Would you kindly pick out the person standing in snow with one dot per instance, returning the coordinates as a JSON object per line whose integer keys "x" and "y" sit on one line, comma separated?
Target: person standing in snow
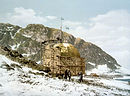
{"x": 66, "y": 74}
{"x": 69, "y": 74}
{"x": 80, "y": 77}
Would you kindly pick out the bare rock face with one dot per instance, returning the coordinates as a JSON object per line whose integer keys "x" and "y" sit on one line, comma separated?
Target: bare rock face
{"x": 27, "y": 41}
{"x": 7, "y": 32}
{"x": 94, "y": 55}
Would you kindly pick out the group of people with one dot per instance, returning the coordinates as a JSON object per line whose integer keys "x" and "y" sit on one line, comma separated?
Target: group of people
{"x": 67, "y": 74}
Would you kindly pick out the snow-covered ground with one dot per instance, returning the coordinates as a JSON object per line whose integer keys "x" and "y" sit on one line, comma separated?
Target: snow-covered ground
{"x": 21, "y": 82}
{"x": 104, "y": 70}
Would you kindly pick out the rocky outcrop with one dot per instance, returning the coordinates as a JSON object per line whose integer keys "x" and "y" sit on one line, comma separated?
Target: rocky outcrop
{"x": 27, "y": 42}
{"x": 7, "y": 33}
{"x": 94, "y": 55}
{"x": 17, "y": 57}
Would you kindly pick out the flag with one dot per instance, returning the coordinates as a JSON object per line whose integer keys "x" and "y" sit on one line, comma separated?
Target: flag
{"x": 67, "y": 28}
{"x": 62, "y": 18}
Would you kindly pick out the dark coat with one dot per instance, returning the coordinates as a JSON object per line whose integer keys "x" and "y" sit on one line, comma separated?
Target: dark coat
{"x": 80, "y": 77}
{"x": 66, "y": 74}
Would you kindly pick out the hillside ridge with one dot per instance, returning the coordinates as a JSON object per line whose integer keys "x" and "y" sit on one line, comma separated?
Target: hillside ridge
{"x": 27, "y": 42}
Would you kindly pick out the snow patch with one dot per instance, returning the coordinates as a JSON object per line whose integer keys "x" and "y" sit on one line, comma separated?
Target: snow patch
{"x": 13, "y": 47}
{"x": 101, "y": 69}
{"x": 124, "y": 70}
{"x": 5, "y": 59}
{"x": 92, "y": 63}
{"x": 116, "y": 83}
{"x": 66, "y": 44}
{"x": 27, "y": 36}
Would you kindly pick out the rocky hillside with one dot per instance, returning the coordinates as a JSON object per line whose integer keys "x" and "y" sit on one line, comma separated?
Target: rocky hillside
{"x": 27, "y": 42}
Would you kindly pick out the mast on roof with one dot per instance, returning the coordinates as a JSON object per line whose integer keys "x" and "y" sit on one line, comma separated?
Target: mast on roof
{"x": 61, "y": 30}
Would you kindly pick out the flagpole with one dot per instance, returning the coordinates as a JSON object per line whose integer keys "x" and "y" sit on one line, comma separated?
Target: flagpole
{"x": 61, "y": 24}
{"x": 61, "y": 30}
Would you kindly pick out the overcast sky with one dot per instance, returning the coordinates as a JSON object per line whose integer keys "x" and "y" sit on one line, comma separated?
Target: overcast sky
{"x": 105, "y": 23}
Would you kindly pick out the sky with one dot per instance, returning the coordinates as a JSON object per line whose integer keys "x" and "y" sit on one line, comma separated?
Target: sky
{"x": 102, "y": 22}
